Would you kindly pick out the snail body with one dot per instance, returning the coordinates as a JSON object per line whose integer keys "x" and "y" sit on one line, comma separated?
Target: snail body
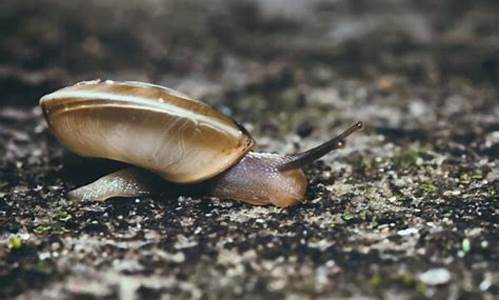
{"x": 182, "y": 140}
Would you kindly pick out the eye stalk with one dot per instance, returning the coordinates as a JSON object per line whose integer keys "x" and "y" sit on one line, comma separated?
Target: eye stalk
{"x": 301, "y": 159}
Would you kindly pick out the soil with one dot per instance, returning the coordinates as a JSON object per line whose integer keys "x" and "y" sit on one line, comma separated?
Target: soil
{"x": 407, "y": 210}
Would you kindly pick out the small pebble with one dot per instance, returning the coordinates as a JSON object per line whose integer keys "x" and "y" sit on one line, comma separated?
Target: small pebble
{"x": 408, "y": 231}
{"x": 435, "y": 276}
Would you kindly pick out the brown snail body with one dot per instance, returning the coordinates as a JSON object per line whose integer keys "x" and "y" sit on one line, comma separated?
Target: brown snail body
{"x": 180, "y": 139}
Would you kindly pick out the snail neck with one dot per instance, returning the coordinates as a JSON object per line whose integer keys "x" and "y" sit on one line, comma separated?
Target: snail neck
{"x": 257, "y": 179}
{"x": 263, "y": 178}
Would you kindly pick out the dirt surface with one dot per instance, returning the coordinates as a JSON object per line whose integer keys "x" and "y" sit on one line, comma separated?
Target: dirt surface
{"x": 408, "y": 210}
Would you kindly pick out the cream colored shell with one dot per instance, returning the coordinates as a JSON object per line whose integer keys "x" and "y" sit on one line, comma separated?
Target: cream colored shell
{"x": 150, "y": 126}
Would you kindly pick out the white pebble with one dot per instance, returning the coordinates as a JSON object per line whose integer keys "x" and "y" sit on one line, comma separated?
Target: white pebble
{"x": 435, "y": 276}
{"x": 408, "y": 231}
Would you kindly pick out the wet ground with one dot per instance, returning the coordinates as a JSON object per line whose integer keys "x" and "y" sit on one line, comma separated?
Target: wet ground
{"x": 408, "y": 210}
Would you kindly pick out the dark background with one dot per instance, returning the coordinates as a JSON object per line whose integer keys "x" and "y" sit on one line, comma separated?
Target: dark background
{"x": 408, "y": 210}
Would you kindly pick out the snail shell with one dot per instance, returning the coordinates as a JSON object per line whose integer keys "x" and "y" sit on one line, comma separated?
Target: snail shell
{"x": 146, "y": 125}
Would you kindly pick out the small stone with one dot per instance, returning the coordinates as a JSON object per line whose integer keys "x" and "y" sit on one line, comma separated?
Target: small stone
{"x": 326, "y": 175}
{"x": 127, "y": 265}
{"x": 178, "y": 257}
{"x": 466, "y": 245}
{"x": 408, "y": 231}
{"x": 452, "y": 193}
{"x": 485, "y": 284}
{"x": 435, "y": 276}
{"x": 44, "y": 255}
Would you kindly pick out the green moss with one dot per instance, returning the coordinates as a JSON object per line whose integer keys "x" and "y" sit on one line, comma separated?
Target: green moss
{"x": 477, "y": 175}
{"x": 63, "y": 216}
{"x": 42, "y": 266}
{"x": 406, "y": 158}
{"x": 465, "y": 179}
{"x": 15, "y": 243}
{"x": 409, "y": 281}
{"x": 3, "y": 184}
{"x": 494, "y": 195}
{"x": 466, "y": 245}
{"x": 421, "y": 288}
{"x": 376, "y": 281}
{"x": 347, "y": 216}
{"x": 363, "y": 215}
{"x": 428, "y": 187}
{"x": 59, "y": 229}
{"x": 42, "y": 228}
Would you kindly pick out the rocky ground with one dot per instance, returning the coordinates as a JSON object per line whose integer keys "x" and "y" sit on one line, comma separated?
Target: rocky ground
{"x": 408, "y": 210}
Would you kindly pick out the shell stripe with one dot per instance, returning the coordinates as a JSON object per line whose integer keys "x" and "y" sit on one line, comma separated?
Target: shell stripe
{"x": 148, "y": 103}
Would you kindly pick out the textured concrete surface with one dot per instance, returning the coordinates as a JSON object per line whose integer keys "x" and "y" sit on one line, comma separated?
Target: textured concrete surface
{"x": 408, "y": 210}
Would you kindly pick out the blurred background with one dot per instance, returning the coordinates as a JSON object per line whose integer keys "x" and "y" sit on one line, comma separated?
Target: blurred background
{"x": 408, "y": 210}
{"x": 233, "y": 44}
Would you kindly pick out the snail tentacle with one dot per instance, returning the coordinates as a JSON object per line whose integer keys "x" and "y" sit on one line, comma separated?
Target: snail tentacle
{"x": 301, "y": 159}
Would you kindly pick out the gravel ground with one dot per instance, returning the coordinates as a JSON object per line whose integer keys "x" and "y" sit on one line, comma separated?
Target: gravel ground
{"x": 408, "y": 210}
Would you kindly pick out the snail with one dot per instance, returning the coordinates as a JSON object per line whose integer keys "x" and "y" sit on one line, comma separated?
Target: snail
{"x": 185, "y": 141}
